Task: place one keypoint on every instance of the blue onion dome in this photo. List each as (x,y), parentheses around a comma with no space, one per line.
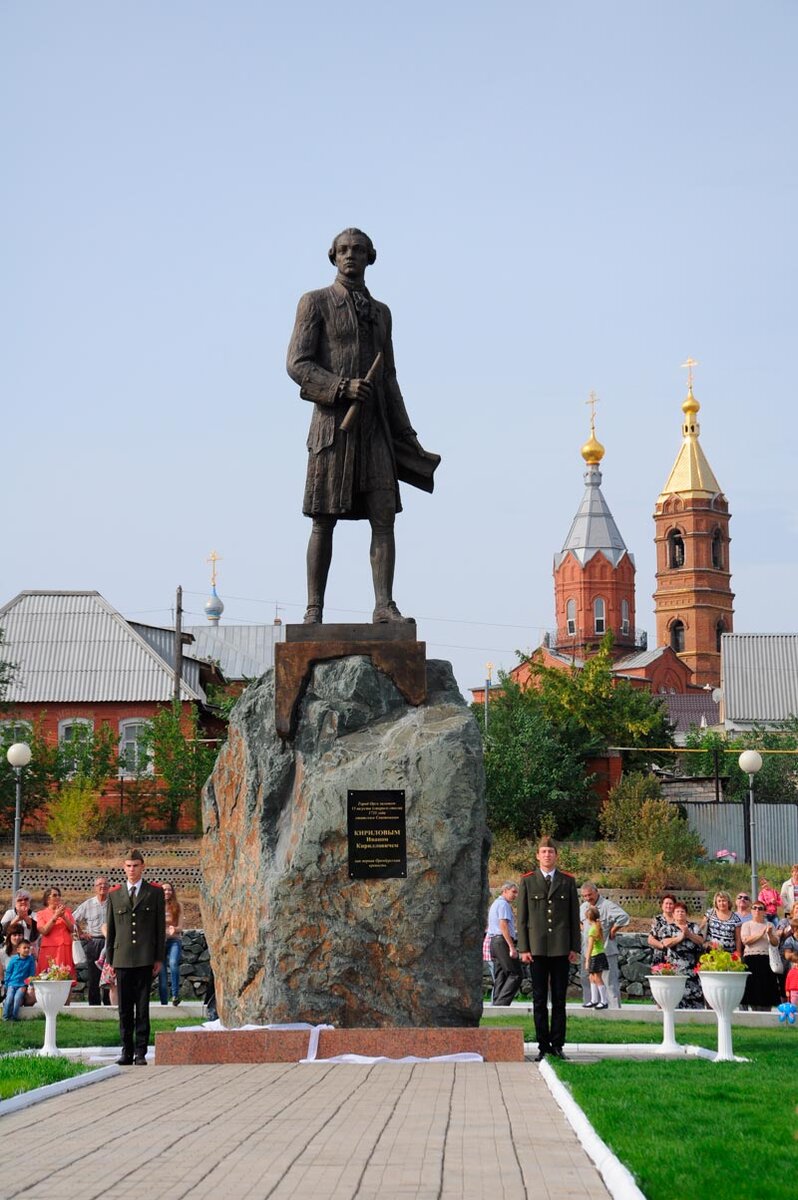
(213,606)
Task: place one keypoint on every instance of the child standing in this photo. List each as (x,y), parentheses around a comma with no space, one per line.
(791,984)
(19,969)
(595,959)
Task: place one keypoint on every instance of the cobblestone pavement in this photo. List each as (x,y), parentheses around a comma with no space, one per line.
(487,1130)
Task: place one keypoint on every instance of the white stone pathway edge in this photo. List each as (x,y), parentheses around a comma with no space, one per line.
(618,1179)
(15,1103)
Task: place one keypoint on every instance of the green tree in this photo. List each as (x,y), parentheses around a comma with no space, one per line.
(651,833)
(41,776)
(182,762)
(531,772)
(594,710)
(775,783)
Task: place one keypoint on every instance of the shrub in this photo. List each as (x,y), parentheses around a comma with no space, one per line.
(649,830)
(74,814)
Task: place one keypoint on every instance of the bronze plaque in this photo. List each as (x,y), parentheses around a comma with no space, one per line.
(376,829)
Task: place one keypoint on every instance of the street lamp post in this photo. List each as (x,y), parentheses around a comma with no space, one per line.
(19,756)
(750,761)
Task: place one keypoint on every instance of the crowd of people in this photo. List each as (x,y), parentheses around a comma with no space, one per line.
(54,935)
(763,932)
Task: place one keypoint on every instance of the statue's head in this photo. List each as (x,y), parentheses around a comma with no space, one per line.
(353,234)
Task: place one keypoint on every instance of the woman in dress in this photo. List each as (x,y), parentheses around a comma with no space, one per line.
(683,946)
(56,926)
(722,926)
(761,988)
(173,951)
(659,925)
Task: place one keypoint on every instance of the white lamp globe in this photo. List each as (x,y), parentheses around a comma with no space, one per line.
(750,761)
(19,755)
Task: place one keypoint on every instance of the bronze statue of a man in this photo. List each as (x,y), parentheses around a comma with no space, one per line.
(361,442)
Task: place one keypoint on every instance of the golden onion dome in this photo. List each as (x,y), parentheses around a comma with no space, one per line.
(592,451)
(690,405)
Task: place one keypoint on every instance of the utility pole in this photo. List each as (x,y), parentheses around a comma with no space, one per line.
(178,643)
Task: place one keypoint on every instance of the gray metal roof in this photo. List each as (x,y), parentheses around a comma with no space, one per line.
(162,641)
(593,527)
(759,677)
(642,658)
(73,647)
(242,651)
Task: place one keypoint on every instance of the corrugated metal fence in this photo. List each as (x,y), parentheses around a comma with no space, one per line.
(722,827)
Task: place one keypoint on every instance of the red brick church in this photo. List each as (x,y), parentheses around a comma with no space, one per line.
(594,584)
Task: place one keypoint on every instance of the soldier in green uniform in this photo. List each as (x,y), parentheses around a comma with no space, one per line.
(135,947)
(549,938)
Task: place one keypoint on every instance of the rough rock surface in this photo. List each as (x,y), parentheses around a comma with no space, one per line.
(292,937)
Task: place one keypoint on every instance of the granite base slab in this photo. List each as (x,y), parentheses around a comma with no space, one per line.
(195,1047)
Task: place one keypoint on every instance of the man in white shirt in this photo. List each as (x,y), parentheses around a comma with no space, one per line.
(503,951)
(91,917)
(612,918)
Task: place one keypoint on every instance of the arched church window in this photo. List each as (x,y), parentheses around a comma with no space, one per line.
(570,617)
(599,617)
(675,549)
(624,616)
(717,550)
(720,629)
(677,636)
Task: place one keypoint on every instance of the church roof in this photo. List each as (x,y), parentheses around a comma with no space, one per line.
(593,528)
(691,474)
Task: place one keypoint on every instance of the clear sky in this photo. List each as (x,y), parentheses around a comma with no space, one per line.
(563,196)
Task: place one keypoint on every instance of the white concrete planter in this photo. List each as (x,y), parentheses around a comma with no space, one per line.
(51,996)
(667,990)
(723,991)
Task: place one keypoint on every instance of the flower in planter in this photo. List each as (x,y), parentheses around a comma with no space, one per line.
(665,968)
(53,972)
(718,959)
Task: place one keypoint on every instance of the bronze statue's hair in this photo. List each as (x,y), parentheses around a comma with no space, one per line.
(360,233)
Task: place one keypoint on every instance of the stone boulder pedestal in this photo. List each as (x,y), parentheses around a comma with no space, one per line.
(292,937)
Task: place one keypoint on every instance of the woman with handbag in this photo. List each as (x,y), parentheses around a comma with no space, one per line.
(761,989)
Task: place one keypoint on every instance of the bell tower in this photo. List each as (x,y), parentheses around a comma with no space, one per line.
(693,603)
(594,573)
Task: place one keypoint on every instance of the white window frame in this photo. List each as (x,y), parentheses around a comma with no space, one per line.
(67,723)
(20,731)
(599,615)
(570,617)
(138,768)
(624,617)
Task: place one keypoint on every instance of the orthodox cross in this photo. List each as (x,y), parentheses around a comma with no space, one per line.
(593,401)
(213,558)
(689,364)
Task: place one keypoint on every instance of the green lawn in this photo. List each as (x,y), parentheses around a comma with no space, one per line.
(24,1074)
(74,1032)
(687,1128)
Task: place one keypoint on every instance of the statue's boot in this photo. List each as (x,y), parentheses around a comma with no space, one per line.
(383,557)
(387,613)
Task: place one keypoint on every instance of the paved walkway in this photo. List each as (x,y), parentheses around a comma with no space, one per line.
(484,1130)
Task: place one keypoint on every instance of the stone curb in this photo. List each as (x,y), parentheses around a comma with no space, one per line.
(15,1103)
(618,1180)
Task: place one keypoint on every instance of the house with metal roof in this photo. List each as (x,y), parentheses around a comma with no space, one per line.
(759,679)
(80,663)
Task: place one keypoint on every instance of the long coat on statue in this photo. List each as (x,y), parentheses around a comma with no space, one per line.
(326,350)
